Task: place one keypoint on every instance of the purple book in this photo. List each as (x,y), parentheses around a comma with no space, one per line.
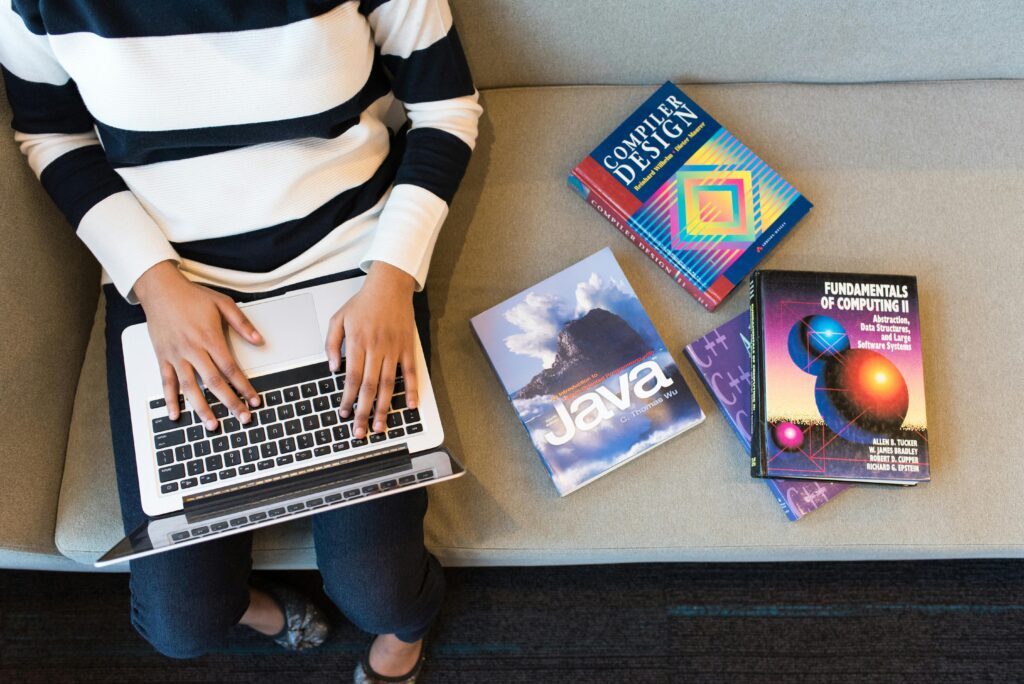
(722,359)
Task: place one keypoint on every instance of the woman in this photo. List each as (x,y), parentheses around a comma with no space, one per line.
(213,151)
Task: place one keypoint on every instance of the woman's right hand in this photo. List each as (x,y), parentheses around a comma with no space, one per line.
(187,326)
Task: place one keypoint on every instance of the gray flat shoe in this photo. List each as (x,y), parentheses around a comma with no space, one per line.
(305,625)
(364,674)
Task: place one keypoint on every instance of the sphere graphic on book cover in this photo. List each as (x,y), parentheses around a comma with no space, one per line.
(860,394)
(788,436)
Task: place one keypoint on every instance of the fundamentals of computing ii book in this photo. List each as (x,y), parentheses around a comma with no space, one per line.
(722,360)
(689,194)
(838,378)
(586,371)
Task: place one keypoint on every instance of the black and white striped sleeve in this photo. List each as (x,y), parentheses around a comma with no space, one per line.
(55,132)
(429,76)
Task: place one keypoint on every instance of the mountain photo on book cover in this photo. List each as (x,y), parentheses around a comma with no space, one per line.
(586,371)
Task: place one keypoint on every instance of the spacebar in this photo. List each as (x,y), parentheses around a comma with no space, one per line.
(292,376)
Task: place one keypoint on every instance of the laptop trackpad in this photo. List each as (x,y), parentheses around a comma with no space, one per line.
(289,328)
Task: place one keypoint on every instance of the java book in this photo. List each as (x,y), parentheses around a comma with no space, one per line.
(586,371)
(722,360)
(838,378)
(689,194)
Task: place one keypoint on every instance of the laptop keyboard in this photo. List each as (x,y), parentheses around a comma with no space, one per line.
(297,421)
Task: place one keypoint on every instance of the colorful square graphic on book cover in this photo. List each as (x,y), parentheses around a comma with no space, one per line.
(715,209)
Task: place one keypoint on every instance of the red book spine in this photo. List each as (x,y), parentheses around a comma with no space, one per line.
(610,205)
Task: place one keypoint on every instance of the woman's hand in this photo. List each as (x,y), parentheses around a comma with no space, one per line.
(379,331)
(186,325)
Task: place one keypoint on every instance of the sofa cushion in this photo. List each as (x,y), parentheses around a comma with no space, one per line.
(916,178)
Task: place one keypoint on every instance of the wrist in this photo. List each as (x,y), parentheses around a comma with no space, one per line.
(383,274)
(157,277)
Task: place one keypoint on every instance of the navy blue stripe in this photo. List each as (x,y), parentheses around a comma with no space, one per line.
(263,250)
(46,108)
(79,180)
(135,148)
(366,7)
(438,72)
(132,18)
(434,160)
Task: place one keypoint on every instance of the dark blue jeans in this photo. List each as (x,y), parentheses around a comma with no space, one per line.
(371,555)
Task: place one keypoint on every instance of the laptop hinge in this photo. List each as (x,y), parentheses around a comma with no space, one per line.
(292,481)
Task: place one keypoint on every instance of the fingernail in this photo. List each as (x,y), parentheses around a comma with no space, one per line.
(378,426)
(359,433)
(413,403)
(334,366)
(344,413)
(256,337)
(211,425)
(246,417)
(254,402)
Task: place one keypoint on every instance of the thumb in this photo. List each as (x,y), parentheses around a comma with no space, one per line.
(238,322)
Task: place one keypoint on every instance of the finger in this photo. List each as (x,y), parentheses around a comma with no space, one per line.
(353,377)
(412,387)
(238,321)
(170,382)
(335,336)
(384,392)
(221,388)
(367,393)
(228,366)
(190,388)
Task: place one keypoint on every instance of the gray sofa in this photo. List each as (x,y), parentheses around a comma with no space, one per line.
(901,123)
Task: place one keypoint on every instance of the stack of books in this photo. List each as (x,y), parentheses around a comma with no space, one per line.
(821,379)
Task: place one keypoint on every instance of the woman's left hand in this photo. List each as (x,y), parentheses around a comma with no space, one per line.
(379,331)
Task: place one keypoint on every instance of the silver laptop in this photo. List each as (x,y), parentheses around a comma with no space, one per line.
(298,457)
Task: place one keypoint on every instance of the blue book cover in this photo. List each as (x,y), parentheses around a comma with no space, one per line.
(586,371)
(722,360)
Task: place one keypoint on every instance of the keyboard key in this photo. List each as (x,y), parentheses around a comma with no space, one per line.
(352,493)
(238,522)
(194,433)
(398,401)
(229,473)
(308,390)
(238,440)
(340,432)
(275,512)
(371,489)
(406,479)
(411,415)
(211,433)
(328,418)
(293,427)
(275,431)
(232,425)
(291,394)
(339,446)
(220,443)
(218,526)
(399,383)
(172,472)
(331,498)
(323,437)
(157,403)
(339,382)
(284,460)
(233,458)
(306,441)
(257,517)
(394,419)
(322,451)
(273,398)
(303,408)
(267,416)
(336,400)
(296,507)
(286,445)
(321,404)
(200,531)
(214,462)
(397,432)
(286,412)
(358,442)
(251,454)
(310,423)
(194,467)
(257,435)
(426,475)
(412,429)
(268,450)
(189,483)
(166,440)
(304,455)
(219,410)
(313,503)
(169,487)
(165,423)
(247,468)
(263,465)
(388,484)
(183,452)
(326,386)
(377,437)
(208,478)
(165,457)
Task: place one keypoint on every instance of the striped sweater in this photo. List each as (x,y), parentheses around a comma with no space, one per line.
(255,142)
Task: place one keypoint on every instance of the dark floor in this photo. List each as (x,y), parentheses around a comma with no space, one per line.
(808,622)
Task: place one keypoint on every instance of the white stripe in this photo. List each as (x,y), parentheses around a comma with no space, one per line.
(407,230)
(25,54)
(259,186)
(458,116)
(400,27)
(217,79)
(124,239)
(43,148)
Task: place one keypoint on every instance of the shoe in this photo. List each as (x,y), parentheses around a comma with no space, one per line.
(364,674)
(305,625)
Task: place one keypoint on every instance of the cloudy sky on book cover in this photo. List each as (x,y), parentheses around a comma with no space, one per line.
(586,371)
